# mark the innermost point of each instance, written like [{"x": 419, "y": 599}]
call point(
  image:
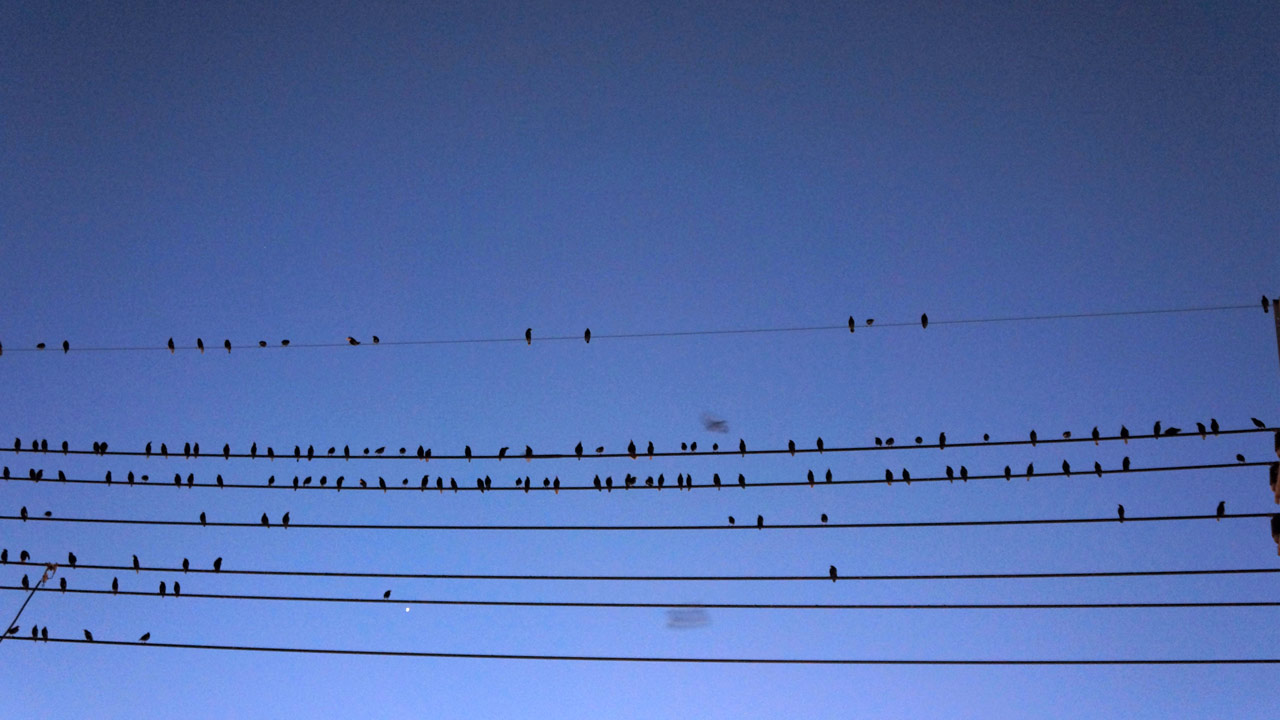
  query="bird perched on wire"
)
[
  {"x": 924, "y": 321},
  {"x": 1222, "y": 510},
  {"x": 528, "y": 336},
  {"x": 587, "y": 336},
  {"x": 1275, "y": 531},
  {"x": 1120, "y": 512},
  {"x": 832, "y": 572}
]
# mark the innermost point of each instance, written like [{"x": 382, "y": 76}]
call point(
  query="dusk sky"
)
[{"x": 653, "y": 172}]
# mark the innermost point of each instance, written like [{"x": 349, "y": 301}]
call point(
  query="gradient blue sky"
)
[{"x": 422, "y": 171}]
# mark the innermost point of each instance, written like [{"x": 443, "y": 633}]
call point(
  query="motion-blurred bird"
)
[{"x": 713, "y": 424}]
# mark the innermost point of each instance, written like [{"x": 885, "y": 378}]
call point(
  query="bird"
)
[
  {"x": 1213, "y": 425},
  {"x": 376, "y": 339},
  {"x": 352, "y": 341},
  {"x": 1120, "y": 512},
  {"x": 1155, "y": 429},
  {"x": 71, "y": 559},
  {"x": 824, "y": 517},
  {"x": 88, "y": 636},
  {"x": 742, "y": 480},
  {"x": 467, "y": 452},
  {"x": 227, "y": 344},
  {"x": 65, "y": 347},
  {"x": 4, "y": 556},
  {"x": 832, "y": 572},
  {"x": 386, "y": 595},
  {"x": 888, "y": 476},
  {"x": 203, "y": 520},
  {"x": 285, "y": 521},
  {"x": 186, "y": 564},
  {"x": 1008, "y": 473},
  {"x": 631, "y": 449},
  {"x": 62, "y": 583},
  {"x": 714, "y": 424},
  {"x": 145, "y": 637},
  {"x": 1125, "y": 463},
  {"x": 1200, "y": 428},
  {"x": 1124, "y": 434},
  {"x": 587, "y": 336},
  {"x": 26, "y": 582},
  {"x": 1172, "y": 430},
  {"x": 23, "y": 512},
  {"x": 791, "y": 446},
  {"x": 924, "y": 321},
  {"x": 44, "y": 633},
  {"x": 759, "y": 522},
  {"x": 819, "y": 445},
  {"x": 162, "y": 589},
  {"x": 732, "y": 521},
  {"x": 1097, "y": 468},
  {"x": 1239, "y": 457},
  {"x": 1096, "y": 434},
  {"x": 528, "y": 452},
  {"x": 1033, "y": 438},
  {"x": 262, "y": 343},
  {"x": 1066, "y": 468},
  {"x": 742, "y": 447},
  {"x": 828, "y": 474},
  {"x": 528, "y": 336},
  {"x": 964, "y": 473},
  {"x": 871, "y": 321},
  {"x": 265, "y": 521},
  {"x": 177, "y": 588},
  {"x": 850, "y": 323},
  {"x": 284, "y": 343},
  {"x": 115, "y": 585},
  {"x": 170, "y": 350},
  {"x": 217, "y": 565},
  {"x": 136, "y": 566},
  {"x": 200, "y": 345},
  {"x": 1222, "y": 509},
  {"x": 715, "y": 478},
  {"x": 942, "y": 440},
  {"x": 577, "y": 450},
  {"x": 1031, "y": 470},
  {"x": 1259, "y": 424},
  {"x": 951, "y": 474}
]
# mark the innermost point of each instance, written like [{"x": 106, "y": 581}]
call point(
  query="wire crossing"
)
[
  {"x": 685, "y": 660},
  {"x": 651, "y": 605},
  {"x": 286, "y": 526}
]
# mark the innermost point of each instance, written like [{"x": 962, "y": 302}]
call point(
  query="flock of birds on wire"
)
[{"x": 528, "y": 334}]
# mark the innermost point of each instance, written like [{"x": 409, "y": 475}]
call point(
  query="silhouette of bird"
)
[
  {"x": 871, "y": 321},
  {"x": 577, "y": 450},
  {"x": 467, "y": 452},
  {"x": 1066, "y": 468},
  {"x": 832, "y": 572},
  {"x": 528, "y": 336},
  {"x": 732, "y": 521},
  {"x": 284, "y": 343},
  {"x": 1172, "y": 430},
  {"x": 227, "y": 344},
  {"x": 71, "y": 559},
  {"x": 262, "y": 343},
  {"x": 203, "y": 520},
  {"x": 177, "y": 588},
  {"x": 742, "y": 480},
  {"x": 502, "y": 452},
  {"x": 1124, "y": 434},
  {"x": 1239, "y": 457},
  {"x": 26, "y": 583},
  {"x": 1008, "y": 473},
  {"x": 170, "y": 346},
  {"x": 1125, "y": 463},
  {"x": 742, "y": 447},
  {"x": 88, "y": 636},
  {"x": 587, "y": 336},
  {"x": 40, "y": 346},
  {"x": 819, "y": 445},
  {"x": 631, "y": 449},
  {"x": 386, "y": 595},
  {"x": 828, "y": 474},
  {"x": 136, "y": 566},
  {"x": 145, "y": 637},
  {"x": 810, "y": 478},
  {"x": 44, "y": 633},
  {"x": 715, "y": 478},
  {"x": 951, "y": 474},
  {"x": 888, "y": 476},
  {"x": 217, "y": 565},
  {"x": 528, "y": 453},
  {"x": 186, "y": 564},
  {"x": 850, "y": 323},
  {"x": 599, "y": 449},
  {"x": 23, "y": 512},
  {"x": 824, "y": 517},
  {"x": 791, "y": 446},
  {"x": 759, "y": 522},
  {"x": 906, "y": 476},
  {"x": 1097, "y": 468},
  {"x": 1033, "y": 438},
  {"x": 964, "y": 473},
  {"x": 924, "y": 320},
  {"x": 1222, "y": 509},
  {"x": 62, "y": 583},
  {"x": 1120, "y": 512},
  {"x": 285, "y": 521},
  {"x": 65, "y": 347},
  {"x": 1259, "y": 424},
  {"x": 200, "y": 345},
  {"x": 1031, "y": 470},
  {"x": 115, "y": 585},
  {"x": 1155, "y": 429},
  {"x": 162, "y": 589},
  {"x": 942, "y": 440},
  {"x": 1213, "y": 425},
  {"x": 1200, "y": 428},
  {"x": 352, "y": 341},
  {"x": 265, "y": 521}
]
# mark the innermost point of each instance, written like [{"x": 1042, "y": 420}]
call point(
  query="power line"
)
[
  {"x": 425, "y": 484},
  {"x": 630, "y": 528},
  {"x": 689, "y": 605},
  {"x": 691, "y": 660},
  {"x": 300, "y": 455},
  {"x": 679, "y": 578},
  {"x": 217, "y": 348}
]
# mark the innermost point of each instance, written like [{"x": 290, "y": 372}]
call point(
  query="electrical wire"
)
[
  {"x": 424, "y": 485},
  {"x": 630, "y": 528},
  {"x": 215, "y": 348},
  {"x": 690, "y": 660},
  {"x": 688, "y": 605},
  {"x": 676, "y": 578},
  {"x": 300, "y": 455}
]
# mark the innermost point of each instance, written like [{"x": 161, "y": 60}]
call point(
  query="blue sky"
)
[{"x": 234, "y": 170}]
